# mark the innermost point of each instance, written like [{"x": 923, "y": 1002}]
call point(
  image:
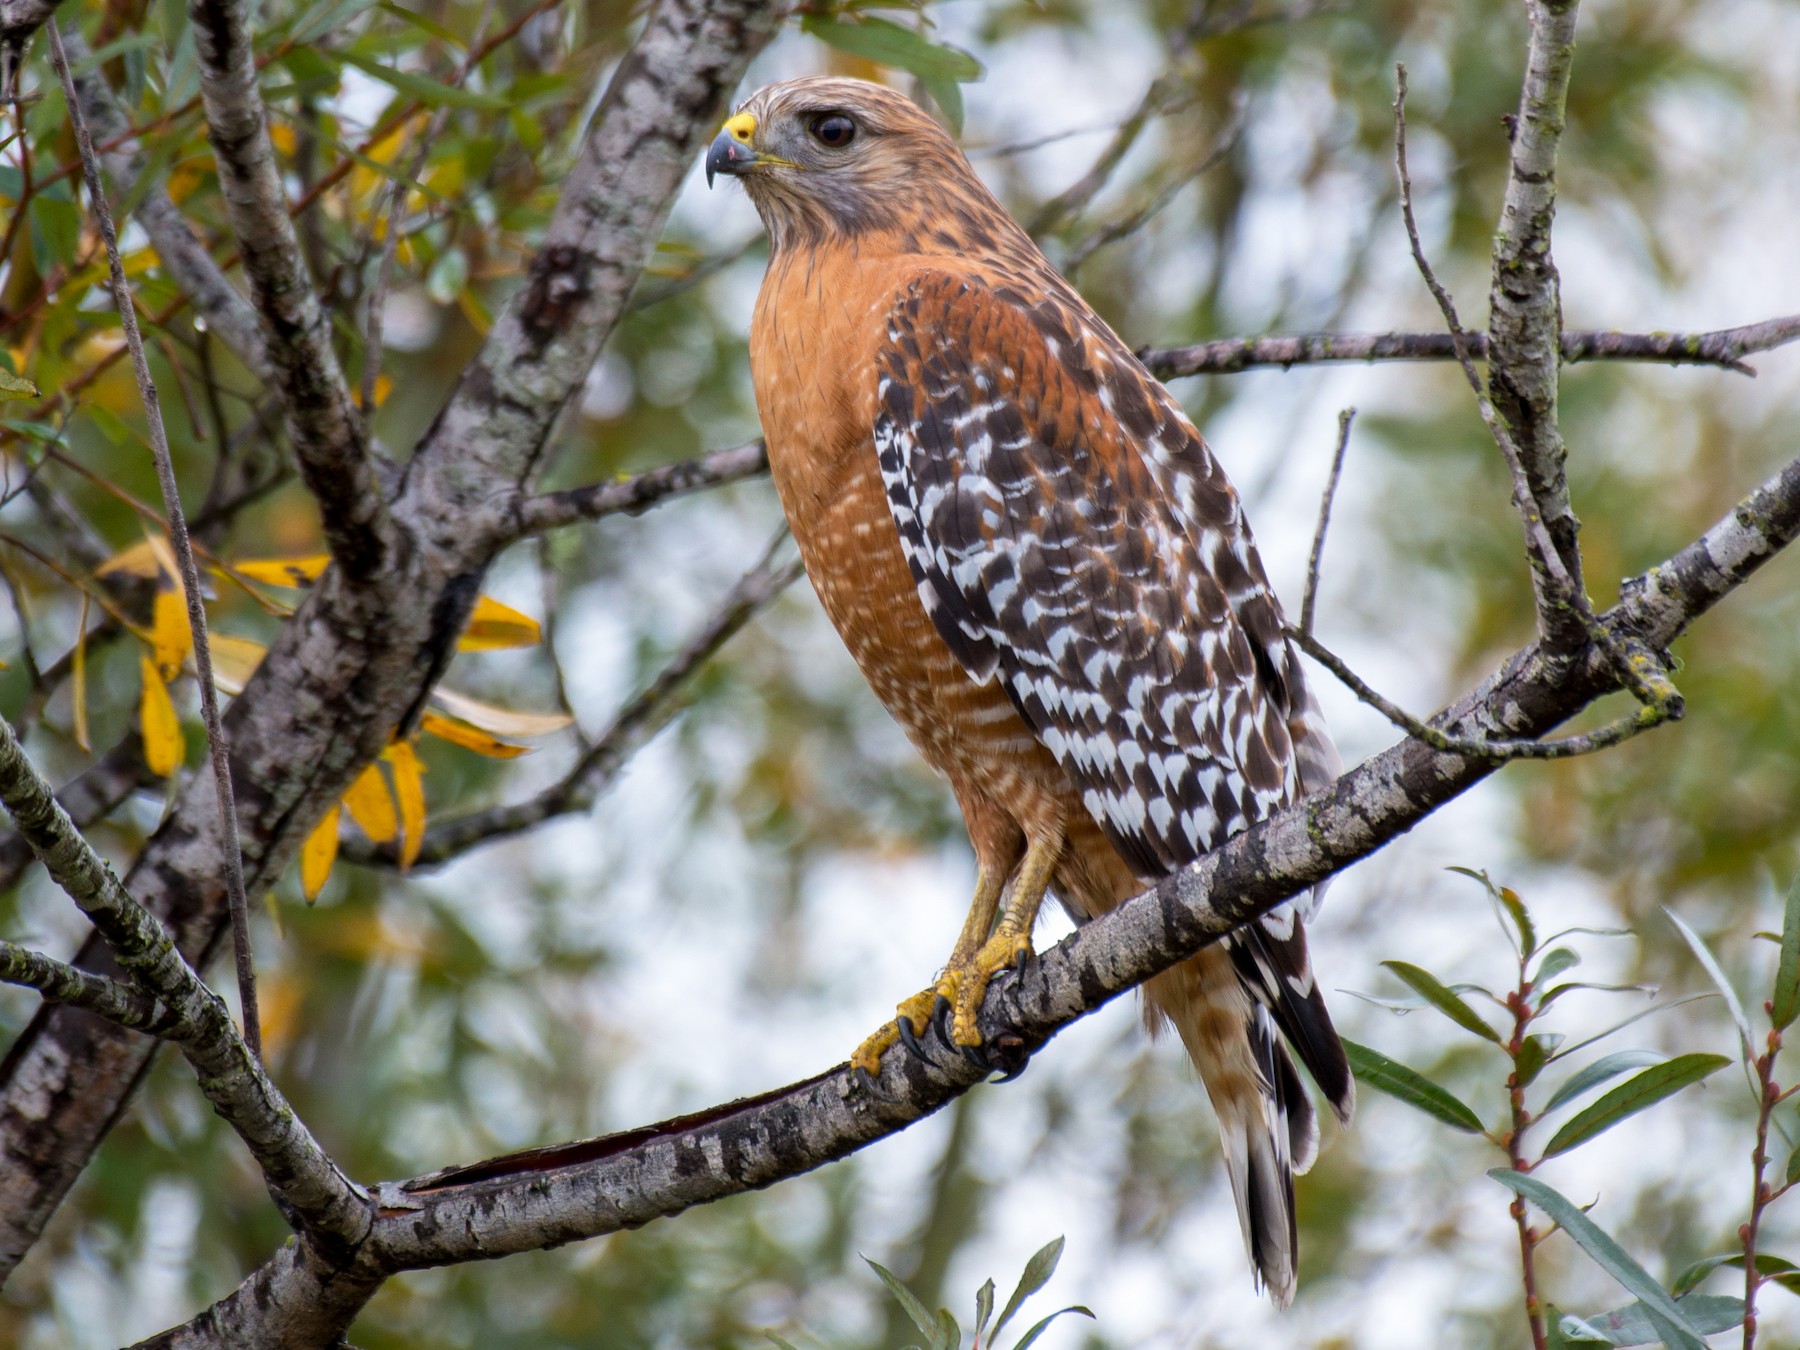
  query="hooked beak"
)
[{"x": 731, "y": 152}]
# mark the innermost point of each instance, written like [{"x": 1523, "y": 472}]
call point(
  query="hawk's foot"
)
[
  {"x": 965, "y": 982},
  {"x": 912, "y": 1020}
]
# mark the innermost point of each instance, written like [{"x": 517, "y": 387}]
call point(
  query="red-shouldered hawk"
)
[{"x": 1048, "y": 580}]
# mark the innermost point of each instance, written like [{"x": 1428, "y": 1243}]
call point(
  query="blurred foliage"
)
[{"x": 755, "y": 871}]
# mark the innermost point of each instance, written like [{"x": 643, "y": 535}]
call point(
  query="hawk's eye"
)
[{"x": 833, "y": 130}]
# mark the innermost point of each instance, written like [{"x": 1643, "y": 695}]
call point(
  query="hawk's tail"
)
[{"x": 1267, "y": 1127}]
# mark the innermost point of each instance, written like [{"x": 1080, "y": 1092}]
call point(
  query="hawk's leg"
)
[
  {"x": 966, "y": 978},
  {"x": 916, "y": 1012}
]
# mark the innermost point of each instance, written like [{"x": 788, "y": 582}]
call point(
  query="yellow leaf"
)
[
  {"x": 282, "y": 137},
  {"x": 371, "y": 805},
  {"x": 293, "y": 572},
  {"x": 494, "y": 626},
  {"x": 78, "y": 678},
  {"x": 318, "y": 854},
  {"x": 470, "y": 738},
  {"x": 165, "y": 559},
  {"x": 409, "y": 787},
  {"x": 137, "y": 561},
  {"x": 496, "y": 720},
  {"x": 164, "y": 746},
  {"x": 235, "y": 660},
  {"x": 384, "y": 385},
  {"x": 170, "y": 636}
]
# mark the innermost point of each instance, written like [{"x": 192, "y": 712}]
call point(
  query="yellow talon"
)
[
  {"x": 966, "y": 985},
  {"x": 916, "y": 1010}
]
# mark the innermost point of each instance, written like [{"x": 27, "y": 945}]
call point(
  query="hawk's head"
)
[{"x": 825, "y": 157}]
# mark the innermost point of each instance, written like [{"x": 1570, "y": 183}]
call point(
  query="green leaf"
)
[
  {"x": 1567, "y": 1333},
  {"x": 1534, "y": 1052},
  {"x": 1787, "y": 973},
  {"x": 1633, "y": 1325},
  {"x": 1778, "y": 1269},
  {"x": 1410, "y": 1086},
  {"x": 425, "y": 25},
  {"x": 1617, "y": 1027},
  {"x": 328, "y": 16},
  {"x": 1635, "y": 1094},
  {"x": 1707, "y": 960},
  {"x": 779, "y": 1343},
  {"x": 1037, "y": 1274},
  {"x": 947, "y": 1336},
  {"x": 1425, "y": 983},
  {"x": 1555, "y": 962},
  {"x": 1521, "y": 917},
  {"x": 984, "y": 1307},
  {"x": 1570, "y": 986},
  {"x": 432, "y": 93},
  {"x": 908, "y": 1301},
  {"x": 1672, "y": 1326},
  {"x": 940, "y": 68},
  {"x": 1037, "y": 1330},
  {"x": 1585, "y": 1080},
  {"x": 13, "y": 389},
  {"x": 55, "y": 230}
]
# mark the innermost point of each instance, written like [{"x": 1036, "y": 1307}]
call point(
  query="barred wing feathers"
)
[{"x": 1072, "y": 537}]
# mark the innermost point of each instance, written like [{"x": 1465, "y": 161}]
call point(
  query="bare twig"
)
[
  {"x": 1134, "y": 220},
  {"x": 1074, "y": 199},
  {"x": 551, "y": 510},
  {"x": 1768, "y": 1096},
  {"x": 332, "y": 1207},
  {"x": 1311, "y": 595},
  {"x": 636, "y": 723},
  {"x": 1725, "y": 347},
  {"x": 218, "y": 747}
]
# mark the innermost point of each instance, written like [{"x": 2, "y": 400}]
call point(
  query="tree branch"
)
[
  {"x": 331, "y": 1206},
  {"x": 1525, "y": 301},
  {"x": 60, "y": 982},
  {"x": 323, "y": 423},
  {"x": 1724, "y": 347},
  {"x": 571, "y": 506},
  {"x": 545, "y": 1197}
]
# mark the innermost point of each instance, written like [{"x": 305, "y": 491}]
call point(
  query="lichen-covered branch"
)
[
  {"x": 59, "y": 982},
  {"x": 1525, "y": 302},
  {"x": 323, "y": 423},
  {"x": 1726, "y": 347},
  {"x": 332, "y": 1207},
  {"x": 550, "y": 1196}
]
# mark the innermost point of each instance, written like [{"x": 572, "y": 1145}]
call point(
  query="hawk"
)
[{"x": 1047, "y": 579}]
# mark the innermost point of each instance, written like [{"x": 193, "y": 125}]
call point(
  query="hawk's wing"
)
[{"x": 1072, "y": 537}]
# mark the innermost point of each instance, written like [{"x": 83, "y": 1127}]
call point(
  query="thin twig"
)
[
  {"x": 1311, "y": 595},
  {"x": 1616, "y": 732},
  {"x": 217, "y": 745},
  {"x": 571, "y": 506},
  {"x": 634, "y": 725},
  {"x": 1074, "y": 199}
]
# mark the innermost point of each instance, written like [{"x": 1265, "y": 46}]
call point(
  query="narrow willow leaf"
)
[
  {"x": 170, "y": 636},
  {"x": 470, "y": 738},
  {"x": 984, "y": 1307},
  {"x": 295, "y": 573},
  {"x": 432, "y": 93},
  {"x": 493, "y": 626},
  {"x": 1030, "y": 1337},
  {"x": 1037, "y": 1274},
  {"x": 496, "y": 720},
  {"x": 1787, "y": 973},
  {"x": 164, "y": 746},
  {"x": 1570, "y": 986},
  {"x": 1633, "y": 1324},
  {"x": 1713, "y": 969},
  {"x": 1586, "y": 1080},
  {"x": 1635, "y": 1094},
  {"x": 1567, "y": 1333},
  {"x": 371, "y": 805},
  {"x": 1423, "y": 982},
  {"x": 1410, "y": 1086},
  {"x": 1776, "y": 1268},
  {"x": 317, "y": 855},
  {"x": 1671, "y": 1324},
  {"x": 14, "y": 389},
  {"x": 947, "y": 1336},
  {"x": 235, "y": 660},
  {"x": 1617, "y": 1027},
  {"x": 1555, "y": 962},
  {"x": 778, "y": 1342},
  {"x": 908, "y": 1301},
  {"x": 137, "y": 561},
  {"x": 1533, "y": 1053},
  {"x": 409, "y": 788},
  {"x": 1521, "y": 917}
]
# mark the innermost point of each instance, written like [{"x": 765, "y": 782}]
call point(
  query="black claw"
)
[
  {"x": 977, "y": 1056},
  {"x": 910, "y": 1039},
  {"x": 1009, "y": 1054},
  {"x": 940, "y": 1018},
  {"x": 1021, "y": 962}
]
